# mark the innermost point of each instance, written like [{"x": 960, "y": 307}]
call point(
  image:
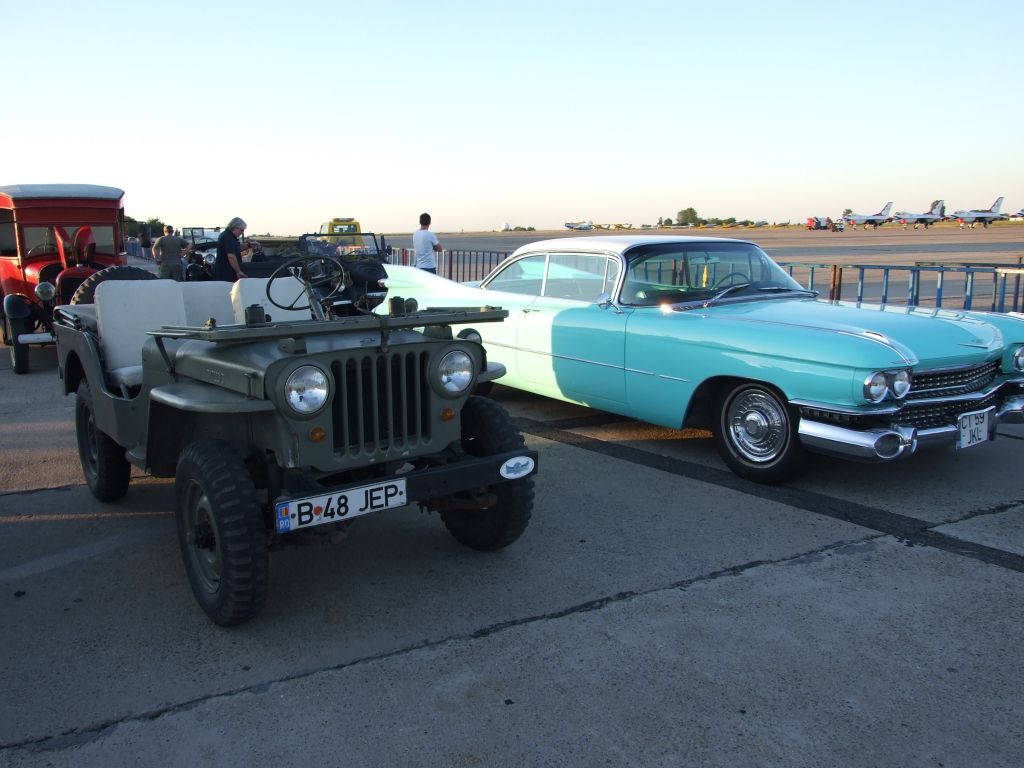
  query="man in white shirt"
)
[{"x": 425, "y": 245}]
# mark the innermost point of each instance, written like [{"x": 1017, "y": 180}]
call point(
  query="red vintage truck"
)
[{"x": 52, "y": 237}]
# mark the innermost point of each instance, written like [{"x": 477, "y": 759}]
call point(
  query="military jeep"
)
[{"x": 277, "y": 418}]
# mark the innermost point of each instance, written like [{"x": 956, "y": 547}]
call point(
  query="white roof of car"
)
[
  {"x": 614, "y": 243},
  {"x": 85, "y": 191}
]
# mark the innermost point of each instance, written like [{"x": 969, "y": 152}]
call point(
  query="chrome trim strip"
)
[{"x": 846, "y": 410}]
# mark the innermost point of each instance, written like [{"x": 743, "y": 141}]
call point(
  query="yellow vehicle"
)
[{"x": 337, "y": 227}]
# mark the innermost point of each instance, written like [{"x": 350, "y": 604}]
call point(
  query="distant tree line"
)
[{"x": 691, "y": 217}]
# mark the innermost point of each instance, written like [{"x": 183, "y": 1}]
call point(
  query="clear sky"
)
[{"x": 530, "y": 113}]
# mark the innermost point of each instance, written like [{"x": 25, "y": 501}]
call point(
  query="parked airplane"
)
[
  {"x": 986, "y": 216},
  {"x": 937, "y": 213},
  {"x": 579, "y": 224},
  {"x": 875, "y": 220}
]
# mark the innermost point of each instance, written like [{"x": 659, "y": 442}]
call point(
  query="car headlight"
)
[
  {"x": 45, "y": 291},
  {"x": 875, "y": 387},
  {"x": 455, "y": 372},
  {"x": 209, "y": 258},
  {"x": 1018, "y": 359},
  {"x": 899, "y": 384},
  {"x": 306, "y": 390}
]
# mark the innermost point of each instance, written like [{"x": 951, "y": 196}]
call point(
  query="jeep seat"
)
[
  {"x": 126, "y": 310},
  {"x": 253, "y": 290},
  {"x": 205, "y": 300}
]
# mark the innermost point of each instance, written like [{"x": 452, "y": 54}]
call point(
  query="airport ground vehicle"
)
[
  {"x": 276, "y": 416},
  {"x": 820, "y": 222},
  {"x": 52, "y": 237},
  {"x": 711, "y": 333}
]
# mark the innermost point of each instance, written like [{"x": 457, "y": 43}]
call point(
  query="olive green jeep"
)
[{"x": 274, "y": 416}]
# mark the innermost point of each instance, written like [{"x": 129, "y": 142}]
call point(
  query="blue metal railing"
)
[
  {"x": 994, "y": 287},
  {"x": 997, "y": 287}
]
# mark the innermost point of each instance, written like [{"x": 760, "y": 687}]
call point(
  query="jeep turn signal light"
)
[
  {"x": 316, "y": 434},
  {"x": 447, "y": 414}
]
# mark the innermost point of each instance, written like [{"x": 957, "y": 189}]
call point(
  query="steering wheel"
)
[
  {"x": 42, "y": 248},
  {"x": 721, "y": 282},
  {"x": 331, "y": 274}
]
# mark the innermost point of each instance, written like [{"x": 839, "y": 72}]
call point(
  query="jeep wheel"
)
[
  {"x": 487, "y": 430},
  {"x": 107, "y": 471},
  {"x": 221, "y": 533},
  {"x": 86, "y": 293},
  {"x": 756, "y": 434}
]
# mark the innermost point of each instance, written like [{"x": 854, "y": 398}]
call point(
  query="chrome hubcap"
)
[{"x": 758, "y": 426}]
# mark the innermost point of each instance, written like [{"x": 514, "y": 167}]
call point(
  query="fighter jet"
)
[
  {"x": 985, "y": 217},
  {"x": 875, "y": 220},
  {"x": 579, "y": 224},
  {"x": 937, "y": 213}
]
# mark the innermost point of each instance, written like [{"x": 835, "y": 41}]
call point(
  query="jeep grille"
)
[{"x": 381, "y": 402}]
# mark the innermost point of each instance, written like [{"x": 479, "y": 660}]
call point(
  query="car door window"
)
[
  {"x": 524, "y": 276},
  {"x": 580, "y": 276}
]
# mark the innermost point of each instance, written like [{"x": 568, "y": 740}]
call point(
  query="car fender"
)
[{"x": 17, "y": 306}]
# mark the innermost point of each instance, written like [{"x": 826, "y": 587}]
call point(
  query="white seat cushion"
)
[
  {"x": 253, "y": 290},
  {"x": 126, "y": 310},
  {"x": 204, "y": 300}
]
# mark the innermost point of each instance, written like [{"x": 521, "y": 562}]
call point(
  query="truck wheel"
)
[
  {"x": 107, "y": 471},
  {"x": 19, "y": 352},
  {"x": 756, "y": 434},
  {"x": 487, "y": 430},
  {"x": 221, "y": 533},
  {"x": 86, "y": 293}
]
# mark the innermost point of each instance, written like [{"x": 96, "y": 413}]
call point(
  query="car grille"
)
[
  {"x": 941, "y": 414},
  {"x": 953, "y": 382},
  {"x": 381, "y": 402},
  {"x": 66, "y": 289}
]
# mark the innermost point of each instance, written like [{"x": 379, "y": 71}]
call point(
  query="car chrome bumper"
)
[
  {"x": 898, "y": 442},
  {"x": 859, "y": 444}
]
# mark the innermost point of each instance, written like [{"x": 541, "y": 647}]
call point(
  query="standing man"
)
[
  {"x": 425, "y": 245},
  {"x": 228, "y": 266},
  {"x": 167, "y": 253}
]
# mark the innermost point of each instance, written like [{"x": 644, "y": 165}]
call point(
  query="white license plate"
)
[
  {"x": 341, "y": 505},
  {"x": 974, "y": 428}
]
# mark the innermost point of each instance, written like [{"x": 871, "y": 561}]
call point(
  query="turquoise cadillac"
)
[{"x": 710, "y": 332}]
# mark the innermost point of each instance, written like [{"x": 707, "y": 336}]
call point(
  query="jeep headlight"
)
[
  {"x": 306, "y": 390},
  {"x": 875, "y": 387},
  {"x": 45, "y": 291},
  {"x": 455, "y": 372},
  {"x": 210, "y": 258},
  {"x": 1018, "y": 359},
  {"x": 899, "y": 384}
]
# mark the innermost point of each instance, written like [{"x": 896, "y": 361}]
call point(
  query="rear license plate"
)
[
  {"x": 974, "y": 428},
  {"x": 341, "y": 505}
]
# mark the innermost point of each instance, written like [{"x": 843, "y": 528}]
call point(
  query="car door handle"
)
[{"x": 527, "y": 309}]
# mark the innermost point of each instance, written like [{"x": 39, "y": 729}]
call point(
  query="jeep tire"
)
[
  {"x": 86, "y": 293},
  {"x": 487, "y": 430},
  {"x": 221, "y": 533},
  {"x": 107, "y": 471}
]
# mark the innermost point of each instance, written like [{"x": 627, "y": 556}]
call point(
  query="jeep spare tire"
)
[{"x": 86, "y": 293}]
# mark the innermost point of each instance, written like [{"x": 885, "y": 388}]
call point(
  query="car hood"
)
[{"x": 928, "y": 337}]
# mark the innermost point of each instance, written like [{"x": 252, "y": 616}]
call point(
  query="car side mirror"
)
[{"x": 604, "y": 300}]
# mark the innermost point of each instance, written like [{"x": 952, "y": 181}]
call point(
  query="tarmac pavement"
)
[{"x": 658, "y": 611}]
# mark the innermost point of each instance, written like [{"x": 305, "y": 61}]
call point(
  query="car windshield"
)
[
  {"x": 672, "y": 273},
  {"x": 43, "y": 239}
]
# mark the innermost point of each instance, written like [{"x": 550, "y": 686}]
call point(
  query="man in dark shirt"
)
[{"x": 228, "y": 266}]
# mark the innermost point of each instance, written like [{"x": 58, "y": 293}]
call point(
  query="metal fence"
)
[
  {"x": 995, "y": 287},
  {"x": 991, "y": 286}
]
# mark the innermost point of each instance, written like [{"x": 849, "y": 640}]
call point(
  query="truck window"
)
[{"x": 8, "y": 242}]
